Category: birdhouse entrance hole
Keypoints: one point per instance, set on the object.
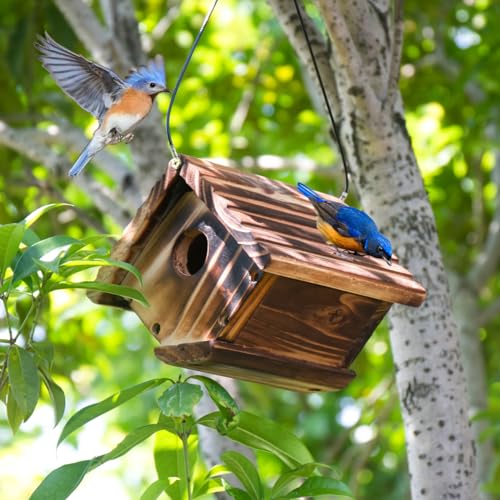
(190, 252)
(241, 283)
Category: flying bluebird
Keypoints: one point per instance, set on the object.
(347, 227)
(119, 105)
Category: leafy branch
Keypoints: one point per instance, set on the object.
(30, 269)
(179, 474)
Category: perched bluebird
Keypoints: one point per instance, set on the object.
(119, 105)
(347, 227)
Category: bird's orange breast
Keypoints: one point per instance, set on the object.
(333, 237)
(133, 102)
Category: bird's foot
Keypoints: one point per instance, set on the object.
(128, 138)
(114, 136)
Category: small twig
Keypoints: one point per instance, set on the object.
(21, 326)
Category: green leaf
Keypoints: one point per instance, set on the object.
(120, 290)
(210, 482)
(14, 414)
(180, 399)
(56, 396)
(319, 486)
(238, 494)
(24, 380)
(206, 485)
(30, 219)
(52, 247)
(245, 471)
(60, 483)
(154, 490)
(103, 262)
(130, 441)
(30, 237)
(284, 482)
(95, 410)
(169, 461)
(44, 353)
(263, 434)
(11, 236)
(227, 405)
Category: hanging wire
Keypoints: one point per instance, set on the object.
(343, 155)
(173, 151)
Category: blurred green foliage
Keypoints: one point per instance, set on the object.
(245, 65)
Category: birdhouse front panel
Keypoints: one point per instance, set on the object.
(194, 274)
(241, 283)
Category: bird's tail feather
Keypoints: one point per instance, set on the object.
(309, 193)
(85, 156)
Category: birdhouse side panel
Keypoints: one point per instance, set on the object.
(194, 275)
(312, 323)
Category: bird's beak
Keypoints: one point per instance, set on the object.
(167, 90)
(387, 259)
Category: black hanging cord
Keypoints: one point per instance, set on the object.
(173, 151)
(343, 155)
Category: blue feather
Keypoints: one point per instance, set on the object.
(351, 223)
(153, 72)
(309, 193)
(82, 160)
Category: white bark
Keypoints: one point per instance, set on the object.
(425, 343)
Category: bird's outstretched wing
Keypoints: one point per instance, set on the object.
(91, 85)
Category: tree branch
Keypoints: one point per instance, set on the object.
(71, 137)
(490, 312)
(25, 143)
(350, 71)
(100, 42)
(285, 12)
(122, 23)
(396, 51)
(488, 260)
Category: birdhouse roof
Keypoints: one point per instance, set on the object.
(273, 223)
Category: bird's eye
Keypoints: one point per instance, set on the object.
(380, 249)
(152, 85)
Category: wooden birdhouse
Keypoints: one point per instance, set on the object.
(241, 283)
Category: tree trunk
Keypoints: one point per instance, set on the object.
(365, 40)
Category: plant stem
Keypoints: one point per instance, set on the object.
(3, 378)
(7, 318)
(185, 451)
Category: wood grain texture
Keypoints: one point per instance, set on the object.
(248, 307)
(312, 323)
(274, 225)
(251, 364)
(183, 307)
(241, 283)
